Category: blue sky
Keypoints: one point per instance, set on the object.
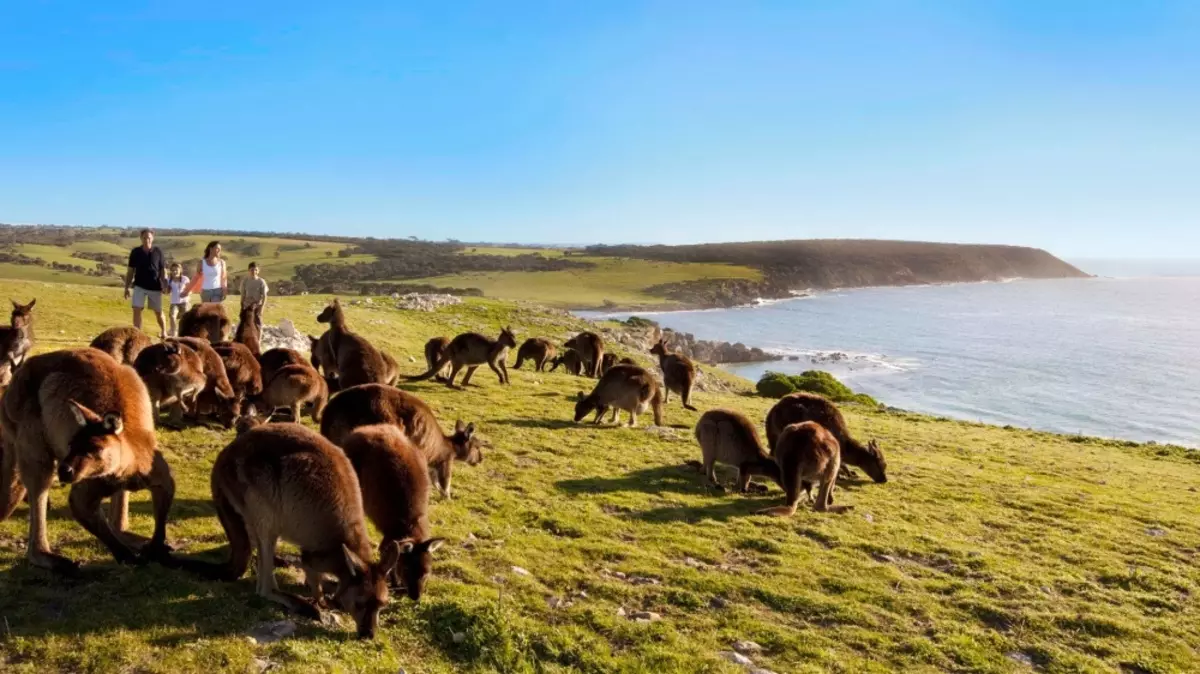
(1073, 126)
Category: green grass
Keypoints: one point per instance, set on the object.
(512, 251)
(618, 280)
(987, 545)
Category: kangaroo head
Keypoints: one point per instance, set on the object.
(22, 314)
(508, 337)
(874, 464)
(330, 312)
(247, 313)
(249, 419)
(468, 447)
(583, 405)
(169, 360)
(363, 592)
(659, 349)
(415, 563)
(95, 448)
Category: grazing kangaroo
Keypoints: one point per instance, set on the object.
(729, 437)
(395, 491)
(539, 351)
(434, 349)
(273, 359)
(806, 454)
(217, 389)
(679, 373)
(377, 404)
(207, 321)
(470, 350)
(91, 416)
(245, 376)
(802, 406)
(123, 343)
(293, 387)
(172, 373)
(285, 481)
(16, 340)
(247, 329)
(624, 387)
(570, 360)
(590, 348)
(354, 360)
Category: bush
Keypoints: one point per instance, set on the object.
(777, 385)
(639, 322)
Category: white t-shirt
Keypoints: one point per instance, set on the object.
(212, 274)
(177, 286)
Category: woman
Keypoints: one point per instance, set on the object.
(210, 274)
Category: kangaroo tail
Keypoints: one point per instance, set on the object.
(779, 511)
(437, 367)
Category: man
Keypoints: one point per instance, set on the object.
(254, 289)
(148, 274)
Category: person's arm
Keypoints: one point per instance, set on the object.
(266, 289)
(129, 272)
(224, 276)
(162, 273)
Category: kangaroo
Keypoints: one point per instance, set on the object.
(247, 329)
(470, 350)
(434, 349)
(624, 387)
(207, 321)
(395, 491)
(378, 404)
(294, 386)
(16, 340)
(123, 343)
(173, 373)
(537, 350)
(321, 356)
(679, 373)
(285, 481)
(802, 406)
(607, 362)
(276, 358)
(806, 454)
(570, 360)
(391, 369)
(590, 348)
(91, 416)
(354, 360)
(245, 376)
(729, 437)
(217, 388)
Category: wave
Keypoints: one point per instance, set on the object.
(849, 360)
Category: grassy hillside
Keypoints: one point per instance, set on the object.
(990, 550)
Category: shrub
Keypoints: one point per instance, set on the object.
(777, 385)
(639, 322)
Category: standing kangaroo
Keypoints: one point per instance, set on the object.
(679, 373)
(624, 387)
(293, 387)
(218, 392)
(590, 348)
(123, 343)
(538, 350)
(806, 454)
(273, 359)
(434, 349)
(207, 321)
(284, 481)
(247, 329)
(395, 490)
(245, 376)
(377, 404)
(16, 340)
(729, 437)
(355, 360)
(470, 350)
(802, 406)
(89, 415)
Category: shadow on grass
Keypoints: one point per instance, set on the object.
(552, 424)
(181, 509)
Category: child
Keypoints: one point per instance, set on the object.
(254, 289)
(179, 298)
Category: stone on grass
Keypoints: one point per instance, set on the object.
(746, 647)
(269, 633)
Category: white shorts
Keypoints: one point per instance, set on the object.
(143, 297)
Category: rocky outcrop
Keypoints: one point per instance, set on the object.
(700, 350)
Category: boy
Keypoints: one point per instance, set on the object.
(254, 289)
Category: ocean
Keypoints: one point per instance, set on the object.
(1108, 357)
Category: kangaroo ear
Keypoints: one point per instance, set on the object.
(434, 543)
(16, 304)
(873, 445)
(469, 430)
(113, 423)
(30, 305)
(580, 396)
(353, 563)
(83, 415)
(459, 426)
(401, 547)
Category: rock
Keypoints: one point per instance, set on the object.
(287, 328)
(521, 572)
(644, 616)
(868, 518)
(737, 658)
(621, 611)
(557, 602)
(260, 665)
(1156, 532)
(458, 637)
(643, 580)
(619, 574)
(718, 602)
(283, 336)
(694, 563)
(269, 633)
(426, 302)
(747, 647)
(412, 359)
(395, 296)
(1018, 656)
(760, 670)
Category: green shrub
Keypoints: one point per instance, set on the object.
(639, 322)
(777, 385)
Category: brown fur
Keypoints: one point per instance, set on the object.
(91, 416)
(217, 387)
(470, 350)
(590, 348)
(729, 437)
(570, 360)
(806, 454)
(123, 343)
(391, 369)
(174, 375)
(16, 340)
(321, 355)
(207, 321)
(272, 360)
(245, 375)
(378, 404)
(796, 407)
(247, 329)
(434, 350)
(285, 481)
(293, 387)
(539, 351)
(679, 373)
(395, 489)
(624, 387)
(354, 360)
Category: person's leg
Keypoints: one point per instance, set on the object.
(155, 302)
(258, 316)
(139, 300)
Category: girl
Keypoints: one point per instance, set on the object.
(211, 274)
(179, 296)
